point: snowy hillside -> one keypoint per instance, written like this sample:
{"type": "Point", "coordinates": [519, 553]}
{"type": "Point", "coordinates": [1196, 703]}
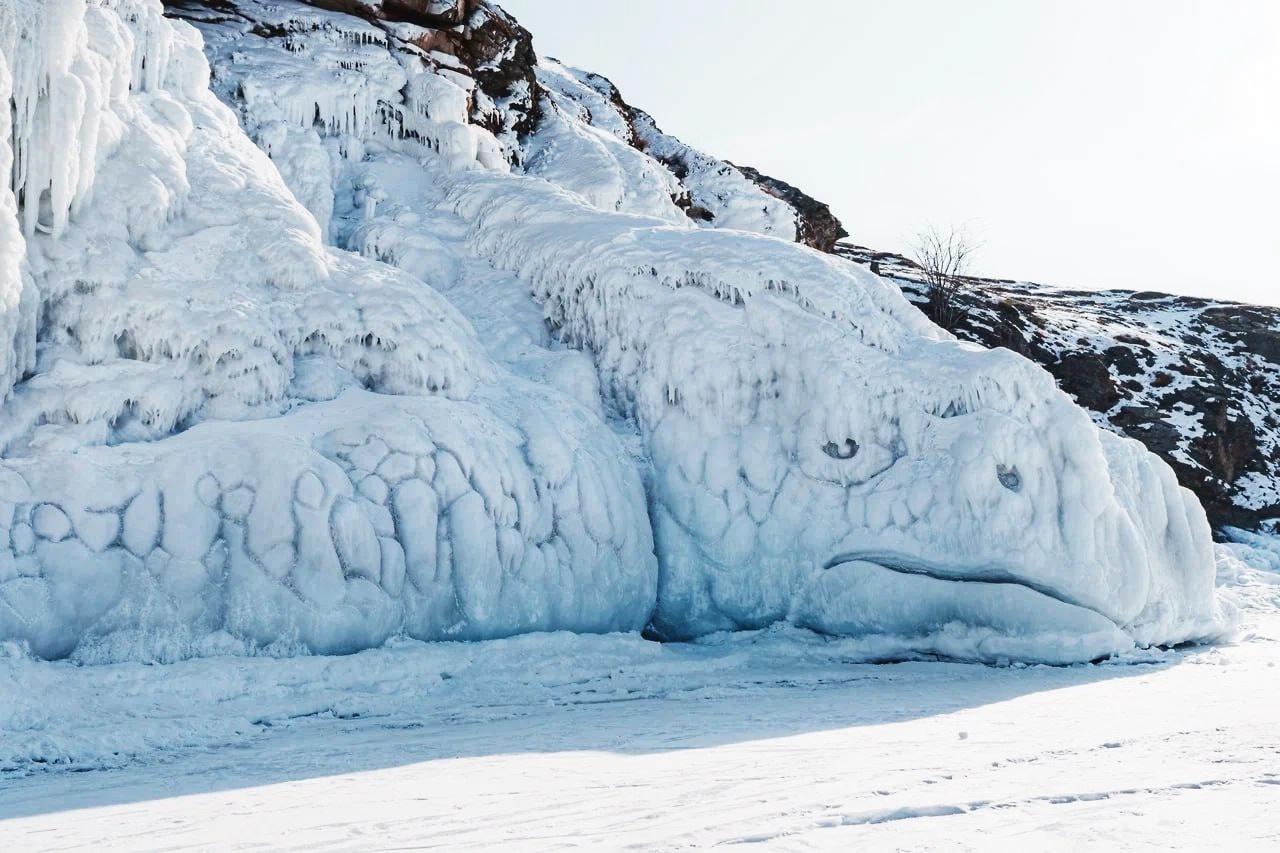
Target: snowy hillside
{"type": "Point", "coordinates": [1192, 379]}
{"type": "Point", "coordinates": [324, 327]}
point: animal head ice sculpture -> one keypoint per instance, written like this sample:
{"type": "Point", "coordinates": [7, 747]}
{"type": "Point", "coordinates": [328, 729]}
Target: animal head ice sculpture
{"type": "Point", "coordinates": [821, 452]}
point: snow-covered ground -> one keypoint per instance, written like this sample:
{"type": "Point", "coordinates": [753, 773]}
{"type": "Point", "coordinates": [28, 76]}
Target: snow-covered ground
{"type": "Point", "coordinates": [553, 741]}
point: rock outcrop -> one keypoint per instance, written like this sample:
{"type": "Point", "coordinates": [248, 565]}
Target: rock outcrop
{"type": "Point", "coordinates": [816, 225]}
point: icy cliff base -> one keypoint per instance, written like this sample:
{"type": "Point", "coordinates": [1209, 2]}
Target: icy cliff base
{"type": "Point", "coordinates": [183, 288]}
{"type": "Point", "coordinates": [233, 436]}
{"type": "Point", "coordinates": [328, 530]}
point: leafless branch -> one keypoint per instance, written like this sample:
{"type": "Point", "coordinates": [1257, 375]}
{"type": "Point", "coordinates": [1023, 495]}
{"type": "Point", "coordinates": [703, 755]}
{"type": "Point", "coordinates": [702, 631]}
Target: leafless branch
{"type": "Point", "coordinates": [944, 259]}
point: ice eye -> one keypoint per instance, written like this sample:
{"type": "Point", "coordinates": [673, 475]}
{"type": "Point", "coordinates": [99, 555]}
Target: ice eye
{"type": "Point", "coordinates": [846, 450]}
{"type": "Point", "coordinates": [1009, 477]}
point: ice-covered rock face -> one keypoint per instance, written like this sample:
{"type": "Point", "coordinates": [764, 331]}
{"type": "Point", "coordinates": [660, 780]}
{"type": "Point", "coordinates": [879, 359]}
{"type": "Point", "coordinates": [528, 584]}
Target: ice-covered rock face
{"type": "Point", "coordinates": [235, 437]}
{"type": "Point", "coordinates": [824, 454]}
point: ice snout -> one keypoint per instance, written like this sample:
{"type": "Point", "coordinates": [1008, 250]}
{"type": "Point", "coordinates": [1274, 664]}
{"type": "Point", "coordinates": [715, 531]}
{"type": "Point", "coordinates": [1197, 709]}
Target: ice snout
{"type": "Point", "coordinates": [984, 617]}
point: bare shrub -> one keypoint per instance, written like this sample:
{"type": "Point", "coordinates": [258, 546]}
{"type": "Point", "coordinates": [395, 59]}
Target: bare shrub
{"type": "Point", "coordinates": [944, 259]}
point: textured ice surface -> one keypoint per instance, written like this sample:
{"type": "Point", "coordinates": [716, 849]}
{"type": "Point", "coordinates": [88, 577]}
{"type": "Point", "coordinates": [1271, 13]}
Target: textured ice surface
{"type": "Point", "coordinates": [328, 529]}
{"type": "Point", "coordinates": [183, 290]}
{"type": "Point", "coordinates": [520, 402]}
{"type": "Point", "coordinates": [800, 415]}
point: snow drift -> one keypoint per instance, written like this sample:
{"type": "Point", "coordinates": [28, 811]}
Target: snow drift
{"type": "Point", "coordinates": [228, 434]}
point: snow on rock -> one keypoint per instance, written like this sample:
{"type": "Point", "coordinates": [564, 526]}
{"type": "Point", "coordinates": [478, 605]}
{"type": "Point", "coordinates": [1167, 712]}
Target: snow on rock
{"type": "Point", "coordinates": [597, 163]}
{"type": "Point", "coordinates": [711, 191]}
{"type": "Point", "coordinates": [718, 191]}
{"type": "Point", "coordinates": [1192, 379]}
{"type": "Point", "coordinates": [178, 474]}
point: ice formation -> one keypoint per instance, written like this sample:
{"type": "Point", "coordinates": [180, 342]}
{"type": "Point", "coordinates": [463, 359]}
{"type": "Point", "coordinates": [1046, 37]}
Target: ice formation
{"type": "Point", "coordinates": [234, 433]}
{"type": "Point", "coordinates": [174, 475]}
{"type": "Point", "coordinates": [804, 422]}
{"type": "Point", "coordinates": [17, 292]}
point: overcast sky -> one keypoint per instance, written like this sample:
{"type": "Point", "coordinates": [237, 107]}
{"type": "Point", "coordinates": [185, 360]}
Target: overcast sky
{"type": "Point", "coordinates": [1087, 144]}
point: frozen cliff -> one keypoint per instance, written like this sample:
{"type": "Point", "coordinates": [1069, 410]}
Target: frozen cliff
{"type": "Point", "coordinates": [233, 435]}
{"type": "Point", "coordinates": [328, 322]}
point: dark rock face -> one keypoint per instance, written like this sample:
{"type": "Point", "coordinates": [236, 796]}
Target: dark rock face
{"type": "Point", "coordinates": [1084, 375]}
{"type": "Point", "coordinates": [816, 225]}
{"type": "Point", "coordinates": [1195, 380]}
{"type": "Point", "coordinates": [488, 42]}
{"type": "Point", "coordinates": [500, 54]}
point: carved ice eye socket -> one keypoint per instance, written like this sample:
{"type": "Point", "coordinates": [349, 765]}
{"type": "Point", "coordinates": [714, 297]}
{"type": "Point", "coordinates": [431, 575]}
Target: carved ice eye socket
{"type": "Point", "coordinates": [847, 450]}
{"type": "Point", "coordinates": [1009, 477]}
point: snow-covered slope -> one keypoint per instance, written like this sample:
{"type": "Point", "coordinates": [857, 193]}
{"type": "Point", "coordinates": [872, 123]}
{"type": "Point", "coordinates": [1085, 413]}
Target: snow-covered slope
{"type": "Point", "coordinates": [238, 436]}
{"type": "Point", "coordinates": [710, 191]}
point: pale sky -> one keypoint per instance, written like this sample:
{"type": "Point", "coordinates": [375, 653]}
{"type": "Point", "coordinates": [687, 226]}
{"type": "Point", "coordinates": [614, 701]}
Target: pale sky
{"type": "Point", "coordinates": [1086, 144]}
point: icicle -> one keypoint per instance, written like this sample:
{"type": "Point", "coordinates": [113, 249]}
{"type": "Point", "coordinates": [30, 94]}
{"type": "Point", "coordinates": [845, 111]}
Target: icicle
{"type": "Point", "coordinates": [17, 292]}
